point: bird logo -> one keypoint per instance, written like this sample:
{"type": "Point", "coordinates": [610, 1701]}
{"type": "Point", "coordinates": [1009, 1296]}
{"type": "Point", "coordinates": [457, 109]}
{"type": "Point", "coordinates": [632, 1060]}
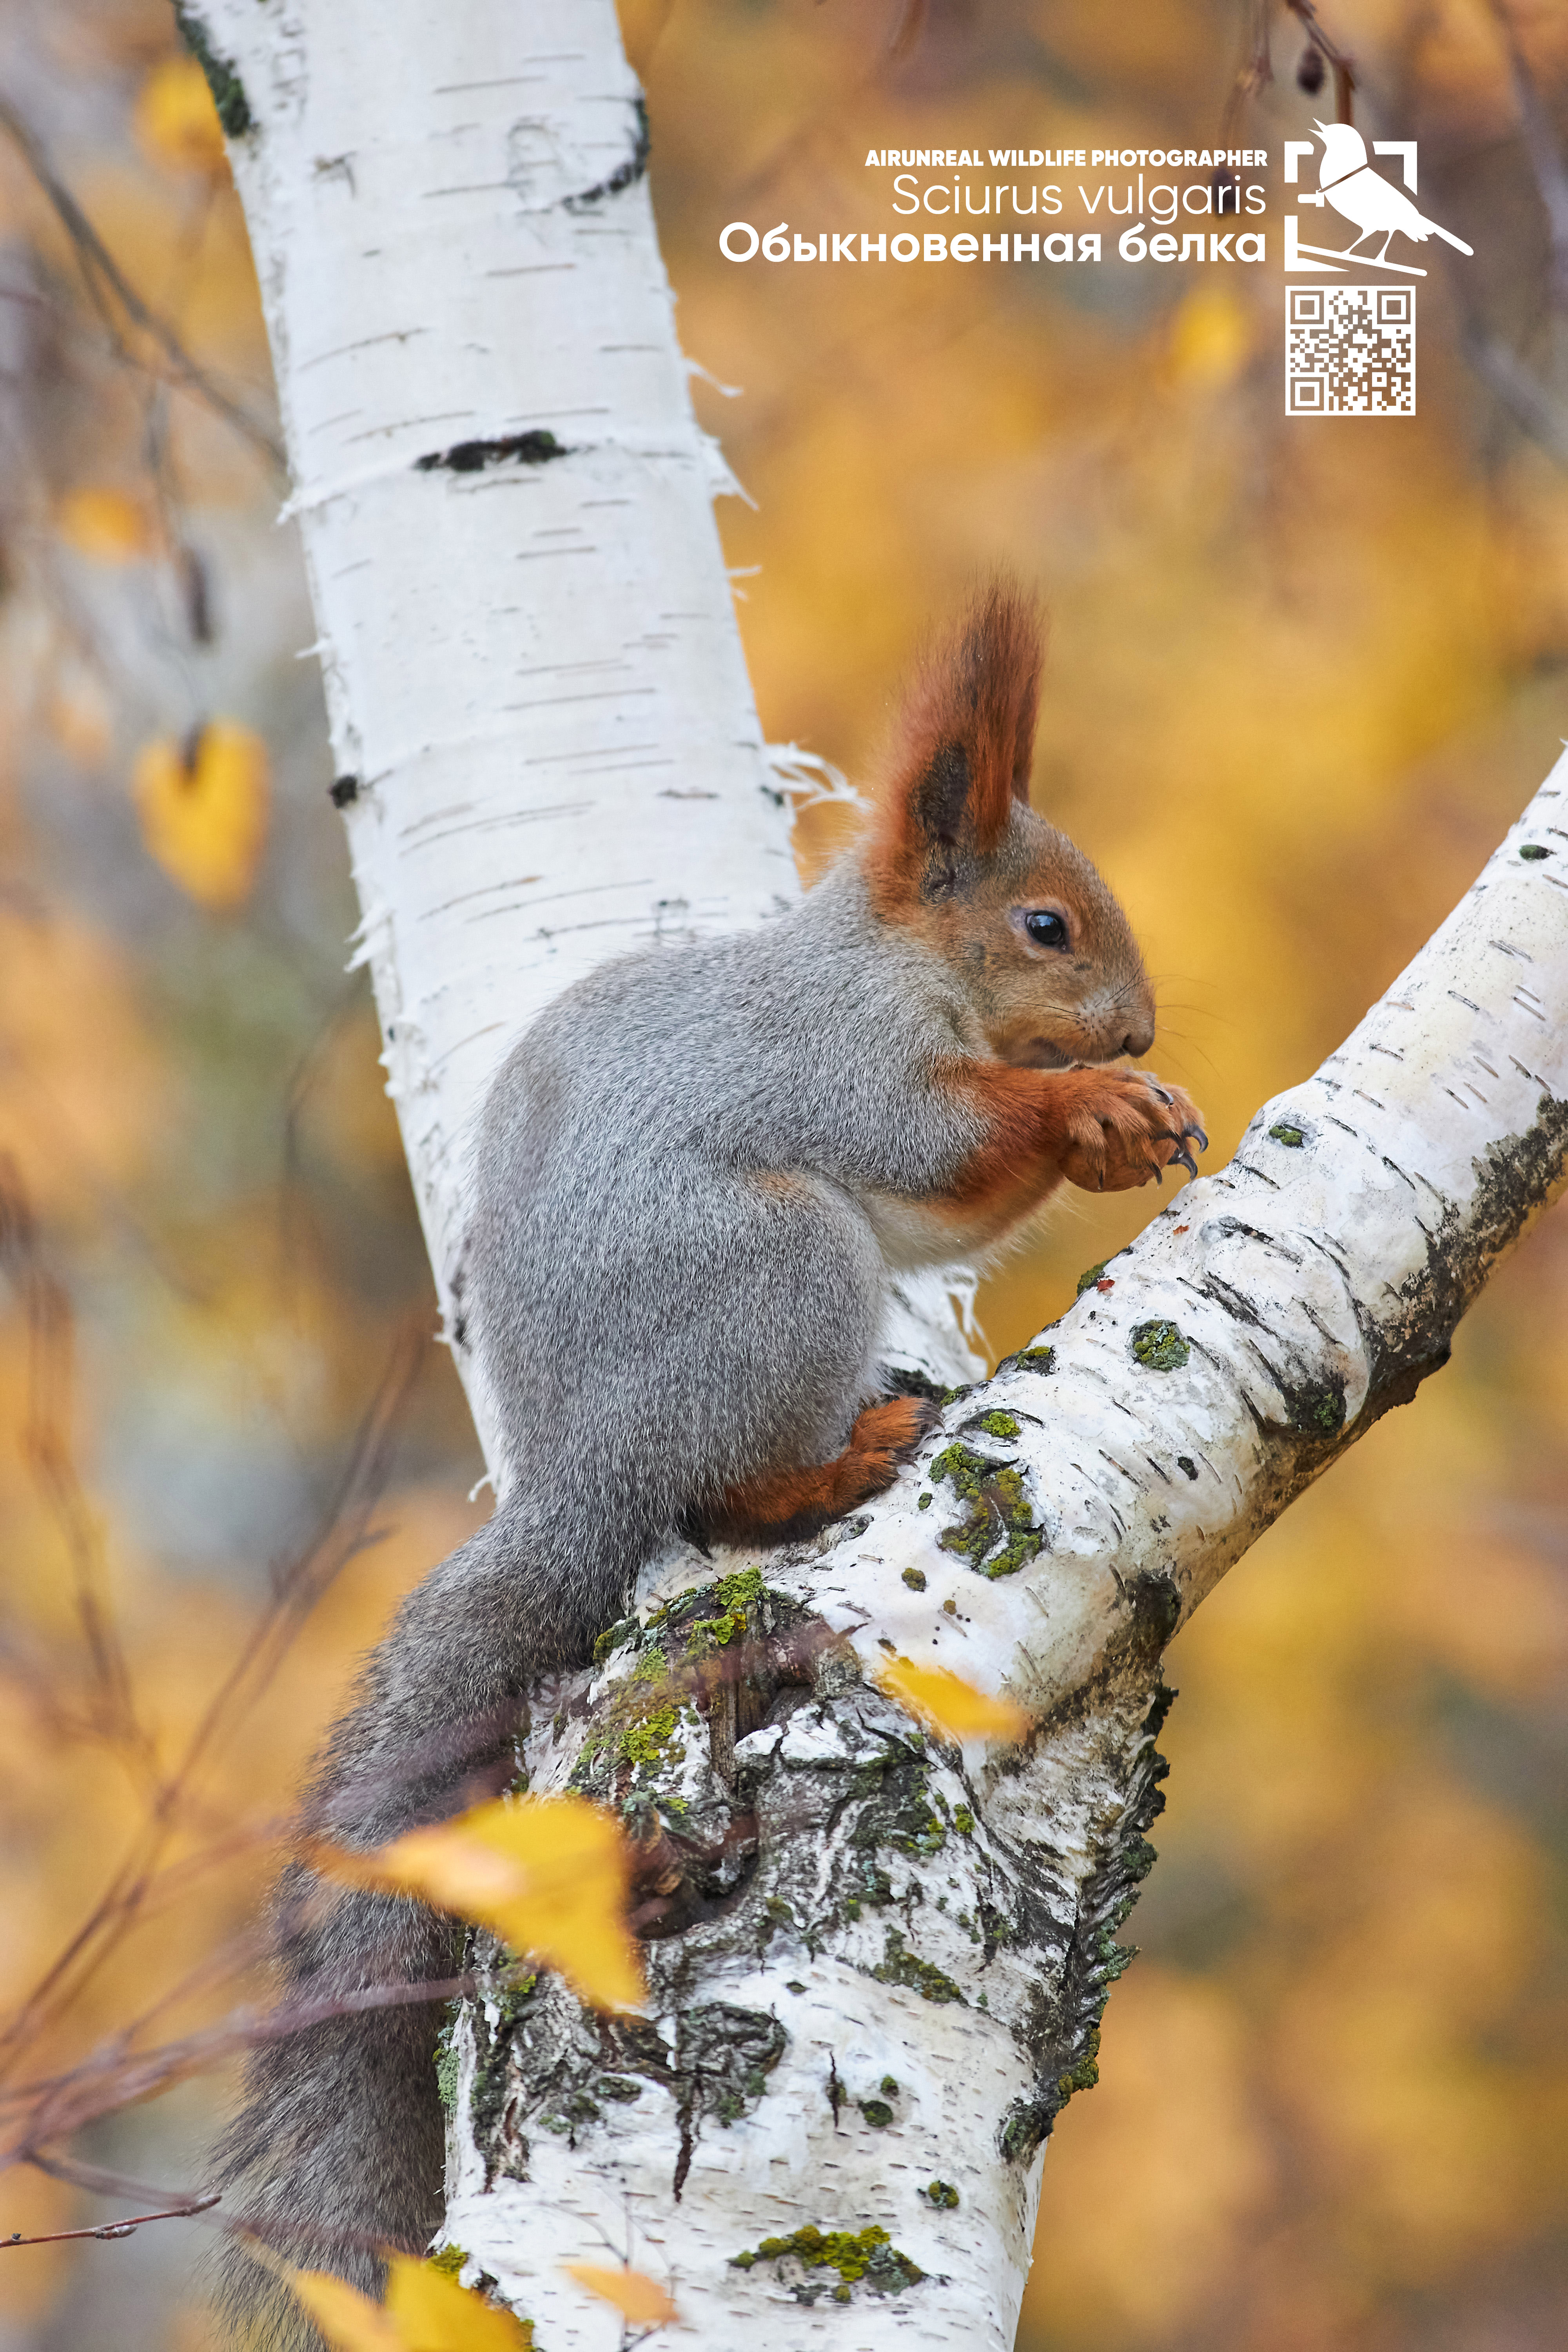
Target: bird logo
{"type": "Point", "coordinates": [1374, 206]}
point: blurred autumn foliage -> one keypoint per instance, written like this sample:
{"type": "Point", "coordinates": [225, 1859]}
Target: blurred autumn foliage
{"type": "Point", "coordinates": [1303, 674]}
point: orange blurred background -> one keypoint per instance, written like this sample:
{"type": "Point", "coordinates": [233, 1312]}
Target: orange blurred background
{"type": "Point", "coordinates": [1304, 675]}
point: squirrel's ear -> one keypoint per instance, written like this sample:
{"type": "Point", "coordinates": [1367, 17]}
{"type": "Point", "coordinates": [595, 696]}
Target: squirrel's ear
{"type": "Point", "coordinates": [965, 739]}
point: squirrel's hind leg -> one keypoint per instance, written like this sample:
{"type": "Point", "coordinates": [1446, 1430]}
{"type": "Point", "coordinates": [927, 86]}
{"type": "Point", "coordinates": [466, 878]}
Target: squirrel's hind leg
{"type": "Point", "coordinates": [781, 1504]}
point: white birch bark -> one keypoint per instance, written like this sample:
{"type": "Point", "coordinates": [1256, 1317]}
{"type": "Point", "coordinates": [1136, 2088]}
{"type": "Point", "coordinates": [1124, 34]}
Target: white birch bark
{"type": "Point", "coordinates": [547, 746]}
{"type": "Point", "coordinates": [534, 681]}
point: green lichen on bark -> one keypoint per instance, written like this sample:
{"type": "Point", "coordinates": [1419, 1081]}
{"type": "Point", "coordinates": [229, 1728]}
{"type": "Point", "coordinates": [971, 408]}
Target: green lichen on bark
{"type": "Point", "coordinates": [997, 1535]}
{"type": "Point", "coordinates": [615, 1637]}
{"type": "Point", "coordinates": [1158, 1346]}
{"type": "Point", "coordinates": [738, 1596]}
{"type": "Point", "coordinates": [860, 2258]}
{"type": "Point", "coordinates": [997, 1425]}
{"type": "Point", "coordinates": [900, 1811]}
{"type": "Point", "coordinates": [222, 75]}
{"type": "Point", "coordinates": [900, 1965]}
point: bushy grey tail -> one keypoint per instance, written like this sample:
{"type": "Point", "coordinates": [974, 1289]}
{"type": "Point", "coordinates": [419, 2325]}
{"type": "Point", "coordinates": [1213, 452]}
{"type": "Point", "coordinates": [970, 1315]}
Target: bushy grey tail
{"type": "Point", "coordinates": [337, 2150]}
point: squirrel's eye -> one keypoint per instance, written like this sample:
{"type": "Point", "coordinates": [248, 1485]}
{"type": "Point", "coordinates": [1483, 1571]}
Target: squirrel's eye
{"type": "Point", "coordinates": [1046, 931]}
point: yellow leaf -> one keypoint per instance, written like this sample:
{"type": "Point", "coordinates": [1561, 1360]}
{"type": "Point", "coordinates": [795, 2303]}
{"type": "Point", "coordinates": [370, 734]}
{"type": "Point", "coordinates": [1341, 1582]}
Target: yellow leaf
{"type": "Point", "coordinates": [109, 525]}
{"type": "Point", "coordinates": [349, 2320]}
{"type": "Point", "coordinates": [425, 2311]}
{"type": "Point", "coordinates": [1210, 337]}
{"type": "Point", "coordinates": [176, 120]}
{"type": "Point", "coordinates": [203, 806]}
{"type": "Point", "coordinates": [431, 2313]}
{"type": "Point", "coordinates": [955, 1709]}
{"type": "Point", "coordinates": [548, 1874]}
{"type": "Point", "coordinates": [634, 2295]}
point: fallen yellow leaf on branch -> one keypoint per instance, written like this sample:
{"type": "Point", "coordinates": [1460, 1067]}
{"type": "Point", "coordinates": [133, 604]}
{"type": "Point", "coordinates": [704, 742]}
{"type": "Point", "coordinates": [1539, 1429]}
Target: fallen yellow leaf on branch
{"type": "Point", "coordinates": [203, 806]}
{"type": "Point", "coordinates": [548, 1874]}
{"type": "Point", "coordinates": [109, 525]}
{"type": "Point", "coordinates": [634, 2295]}
{"type": "Point", "coordinates": [176, 120]}
{"type": "Point", "coordinates": [953, 1708]}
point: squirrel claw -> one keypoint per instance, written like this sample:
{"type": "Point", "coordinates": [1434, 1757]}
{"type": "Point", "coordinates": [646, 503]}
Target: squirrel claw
{"type": "Point", "coordinates": [1203, 1138]}
{"type": "Point", "coordinates": [1183, 1158]}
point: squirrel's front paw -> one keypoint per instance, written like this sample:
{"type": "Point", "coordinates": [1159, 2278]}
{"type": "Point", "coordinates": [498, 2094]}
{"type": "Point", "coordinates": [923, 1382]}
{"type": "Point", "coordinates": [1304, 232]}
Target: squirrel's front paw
{"type": "Point", "coordinates": [1126, 1127]}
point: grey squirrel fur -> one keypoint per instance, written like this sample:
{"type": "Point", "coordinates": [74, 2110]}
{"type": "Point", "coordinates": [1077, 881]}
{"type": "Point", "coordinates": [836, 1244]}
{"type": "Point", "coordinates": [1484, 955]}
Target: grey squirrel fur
{"type": "Point", "coordinates": [694, 1175]}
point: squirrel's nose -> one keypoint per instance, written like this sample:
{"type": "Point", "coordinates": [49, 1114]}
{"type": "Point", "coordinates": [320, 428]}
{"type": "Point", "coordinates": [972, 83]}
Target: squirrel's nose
{"type": "Point", "coordinates": [1138, 1041]}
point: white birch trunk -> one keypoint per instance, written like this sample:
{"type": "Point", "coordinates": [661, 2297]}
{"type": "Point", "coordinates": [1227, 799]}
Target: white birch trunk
{"type": "Point", "coordinates": [534, 681]}
{"type": "Point", "coordinates": [547, 746]}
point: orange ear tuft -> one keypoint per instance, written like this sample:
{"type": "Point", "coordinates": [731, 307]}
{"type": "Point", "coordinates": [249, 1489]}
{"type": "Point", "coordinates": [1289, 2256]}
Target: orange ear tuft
{"type": "Point", "coordinates": [964, 745]}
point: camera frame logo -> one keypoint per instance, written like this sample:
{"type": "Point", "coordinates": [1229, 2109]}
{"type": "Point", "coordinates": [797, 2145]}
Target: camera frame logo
{"type": "Point", "coordinates": [1349, 349]}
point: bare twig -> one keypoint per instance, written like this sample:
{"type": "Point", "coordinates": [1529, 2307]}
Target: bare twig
{"type": "Point", "coordinates": [344, 1532]}
{"type": "Point", "coordinates": [98, 2180]}
{"type": "Point", "coordinates": [1525, 397]}
{"type": "Point", "coordinates": [1544, 150]}
{"type": "Point", "coordinates": [1340, 63]}
{"type": "Point", "coordinates": [114, 2077]}
{"type": "Point", "coordinates": [125, 2228]}
{"type": "Point", "coordinates": [1255, 72]}
{"type": "Point", "coordinates": [101, 272]}
{"type": "Point", "coordinates": [907, 29]}
{"type": "Point", "coordinates": [45, 1446]}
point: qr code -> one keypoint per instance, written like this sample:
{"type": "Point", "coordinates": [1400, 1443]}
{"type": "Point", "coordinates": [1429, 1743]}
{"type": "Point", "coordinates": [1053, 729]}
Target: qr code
{"type": "Point", "coordinates": [1349, 350]}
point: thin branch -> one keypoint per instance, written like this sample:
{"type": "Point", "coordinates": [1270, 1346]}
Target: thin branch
{"type": "Point", "coordinates": [45, 1448]}
{"type": "Point", "coordinates": [1525, 397]}
{"type": "Point", "coordinates": [1339, 62]}
{"type": "Point", "coordinates": [344, 1532]}
{"type": "Point", "coordinates": [1255, 72]}
{"type": "Point", "coordinates": [1544, 150]}
{"type": "Point", "coordinates": [125, 2228]}
{"type": "Point", "coordinates": [113, 2078]}
{"type": "Point", "coordinates": [100, 269]}
{"type": "Point", "coordinates": [98, 2180]}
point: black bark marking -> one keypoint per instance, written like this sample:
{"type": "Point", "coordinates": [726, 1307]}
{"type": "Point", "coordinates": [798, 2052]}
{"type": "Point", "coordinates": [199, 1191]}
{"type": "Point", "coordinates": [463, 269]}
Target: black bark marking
{"type": "Point", "coordinates": [1516, 1175]}
{"type": "Point", "coordinates": [624, 175]}
{"type": "Point", "coordinates": [1229, 1228]}
{"type": "Point", "coordinates": [533, 448]}
{"type": "Point", "coordinates": [1068, 2054]}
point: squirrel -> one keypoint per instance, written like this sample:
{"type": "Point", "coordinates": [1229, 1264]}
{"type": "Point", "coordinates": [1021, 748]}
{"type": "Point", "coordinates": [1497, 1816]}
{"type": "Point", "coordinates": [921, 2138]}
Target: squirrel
{"type": "Point", "coordinates": [695, 1175]}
